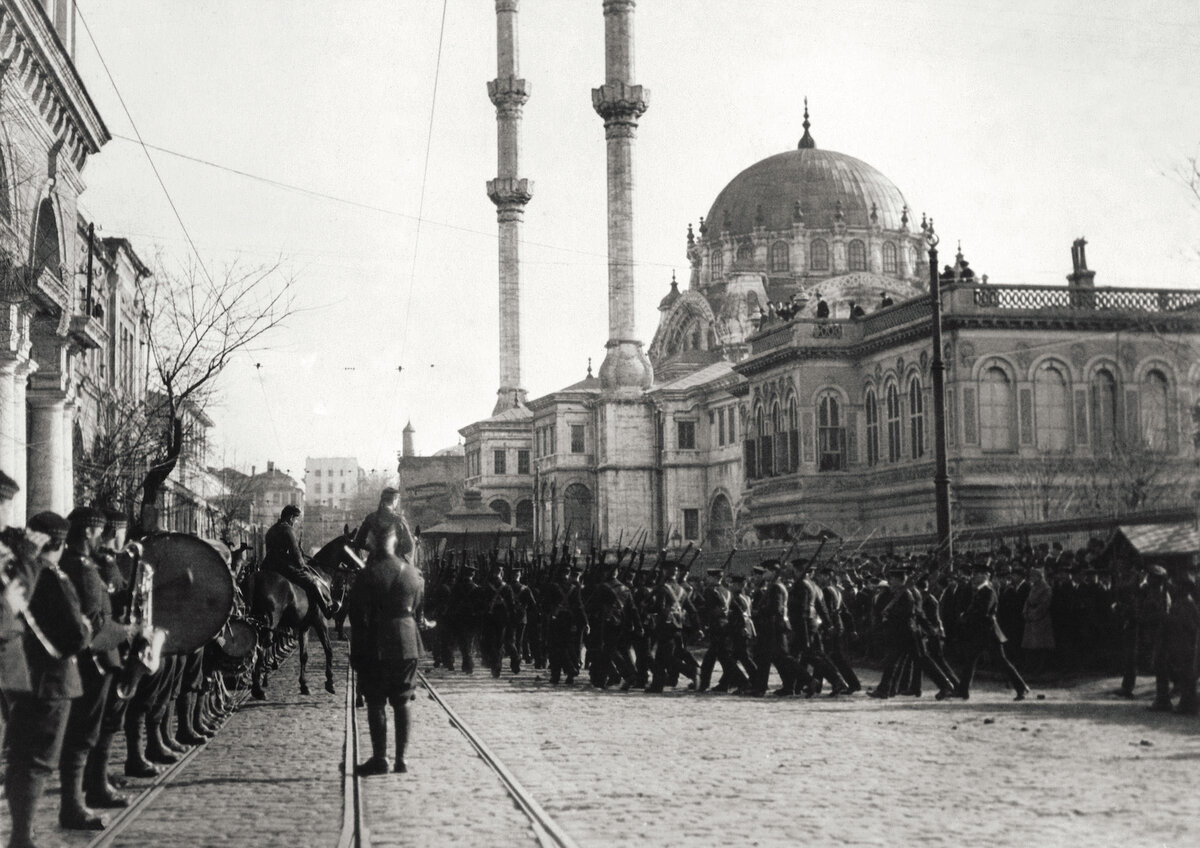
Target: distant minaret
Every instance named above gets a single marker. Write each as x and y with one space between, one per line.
620 103
510 193
408 440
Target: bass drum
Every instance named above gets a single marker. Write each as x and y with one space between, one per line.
237 639
193 590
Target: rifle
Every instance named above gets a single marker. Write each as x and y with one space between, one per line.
728 560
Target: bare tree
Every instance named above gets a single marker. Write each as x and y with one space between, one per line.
197 324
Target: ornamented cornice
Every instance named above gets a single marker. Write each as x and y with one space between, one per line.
39 62
620 105
510 194
508 95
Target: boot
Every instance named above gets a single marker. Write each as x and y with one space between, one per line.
185 734
377 724
136 764
168 738
98 791
156 749
72 813
23 795
402 722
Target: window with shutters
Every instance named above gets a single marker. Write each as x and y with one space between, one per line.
893 422
1052 409
872 428
779 257
1154 401
831 434
856 255
997 411
1104 411
819 256
916 418
890 265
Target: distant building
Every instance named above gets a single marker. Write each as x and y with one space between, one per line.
332 480
430 486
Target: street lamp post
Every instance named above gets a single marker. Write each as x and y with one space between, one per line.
941 477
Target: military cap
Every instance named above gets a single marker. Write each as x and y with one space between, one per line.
115 518
772 565
737 578
8 487
758 569
801 564
1157 571
52 524
714 572
389 492
898 571
825 569
611 559
467 566
86 516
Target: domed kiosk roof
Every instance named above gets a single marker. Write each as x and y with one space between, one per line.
819 180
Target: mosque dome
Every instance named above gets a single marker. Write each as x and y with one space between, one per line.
821 184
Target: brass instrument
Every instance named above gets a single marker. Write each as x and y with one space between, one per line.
145 653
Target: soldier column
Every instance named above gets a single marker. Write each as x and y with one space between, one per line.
626 491
510 193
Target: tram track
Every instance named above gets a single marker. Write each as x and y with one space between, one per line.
547 831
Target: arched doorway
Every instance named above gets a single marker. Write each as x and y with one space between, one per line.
577 512
502 509
720 524
525 516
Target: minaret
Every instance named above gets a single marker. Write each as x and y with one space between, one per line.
626 370
510 193
407 449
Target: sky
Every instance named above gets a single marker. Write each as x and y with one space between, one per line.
363 156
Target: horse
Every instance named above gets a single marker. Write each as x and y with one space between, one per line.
341 569
285 612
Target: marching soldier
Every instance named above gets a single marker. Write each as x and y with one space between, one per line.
773 627
497 603
565 623
982 634
714 614
523 604
740 633
460 610
808 615
839 625
669 621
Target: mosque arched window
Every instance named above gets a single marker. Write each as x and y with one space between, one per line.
46 254
916 418
779 257
856 255
890 265
872 428
1104 411
893 422
996 411
716 263
1154 411
831 434
1052 409
819 256
745 252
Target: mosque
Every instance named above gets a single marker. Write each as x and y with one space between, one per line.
789 379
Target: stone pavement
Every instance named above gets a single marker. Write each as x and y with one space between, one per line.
1077 768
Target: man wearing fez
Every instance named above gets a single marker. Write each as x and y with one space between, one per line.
284 557
97 667
385 646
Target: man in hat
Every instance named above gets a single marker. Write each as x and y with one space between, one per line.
385 610
388 512
98 665
462 614
523 605
1156 611
1181 639
773 627
611 609
36 718
565 622
838 627
808 615
497 603
740 640
981 634
714 616
283 555
669 620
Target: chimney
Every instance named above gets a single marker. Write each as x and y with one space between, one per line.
270 466
1080 277
253 468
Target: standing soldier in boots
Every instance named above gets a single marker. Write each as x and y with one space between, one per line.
98 665
741 640
714 614
565 623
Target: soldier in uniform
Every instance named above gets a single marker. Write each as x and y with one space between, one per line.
386 513
714 616
838 627
612 613
497 603
773 627
565 623
523 604
98 665
461 615
385 611
740 639
808 615
284 556
667 605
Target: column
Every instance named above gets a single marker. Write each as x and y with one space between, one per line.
20 434
67 463
8 416
625 370
46 448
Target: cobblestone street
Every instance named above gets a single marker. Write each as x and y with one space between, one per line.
1077 768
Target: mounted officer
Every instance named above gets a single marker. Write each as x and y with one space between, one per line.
283 556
